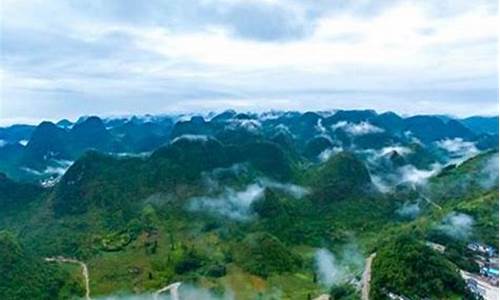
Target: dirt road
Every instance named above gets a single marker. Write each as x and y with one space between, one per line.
367 274
85 270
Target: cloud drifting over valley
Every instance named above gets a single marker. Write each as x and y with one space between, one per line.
236 204
332 270
457 225
458 148
65 58
357 128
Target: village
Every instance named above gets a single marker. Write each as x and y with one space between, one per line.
484 284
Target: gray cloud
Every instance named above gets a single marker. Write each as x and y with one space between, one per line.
61 59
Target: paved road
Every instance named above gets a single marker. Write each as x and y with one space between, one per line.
432 202
85 270
323 297
367 275
173 288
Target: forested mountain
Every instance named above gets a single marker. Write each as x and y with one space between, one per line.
279 205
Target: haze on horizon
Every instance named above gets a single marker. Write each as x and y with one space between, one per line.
64 59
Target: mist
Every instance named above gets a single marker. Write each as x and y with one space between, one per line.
332 270
293 190
252 126
488 176
231 203
58 167
381 184
416 177
458 149
327 268
409 210
361 128
236 203
326 154
186 292
191 137
319 127
408 174
457 225
399 149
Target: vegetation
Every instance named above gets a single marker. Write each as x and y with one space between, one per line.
263 254
406 266
341 176
344 292
24 276
132 219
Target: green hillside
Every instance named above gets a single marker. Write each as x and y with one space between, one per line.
247 218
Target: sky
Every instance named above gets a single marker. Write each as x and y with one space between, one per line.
67 58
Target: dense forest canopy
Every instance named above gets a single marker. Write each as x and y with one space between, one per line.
247 206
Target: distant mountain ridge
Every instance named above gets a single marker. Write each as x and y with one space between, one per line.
247 200
46 145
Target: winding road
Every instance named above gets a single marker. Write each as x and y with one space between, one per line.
85 270
173 288
432 203
367 275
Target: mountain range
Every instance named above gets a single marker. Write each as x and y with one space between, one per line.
276 205
41 152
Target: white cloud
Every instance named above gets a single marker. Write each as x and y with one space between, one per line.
249 125
236 204
293 190
381 184
282 128
319 127
361 128
410 174
408 210
337 270
231 203
327 268
327 153
488 176
52 173
403 151
407 174
191 137
458 148
376 157
457 225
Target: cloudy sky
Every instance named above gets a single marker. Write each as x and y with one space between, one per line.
113 57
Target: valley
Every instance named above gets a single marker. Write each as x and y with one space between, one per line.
85 270
276 205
